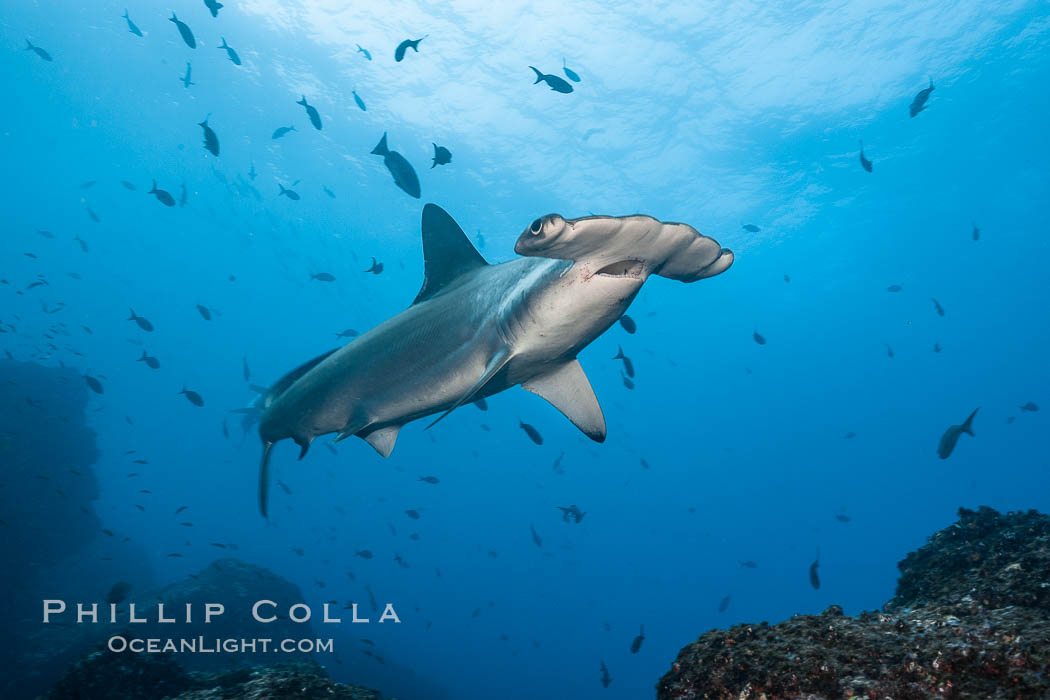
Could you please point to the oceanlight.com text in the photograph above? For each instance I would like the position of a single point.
(213, 645)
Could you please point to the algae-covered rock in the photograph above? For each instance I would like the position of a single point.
(969, 620)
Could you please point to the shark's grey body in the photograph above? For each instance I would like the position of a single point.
(476, 329)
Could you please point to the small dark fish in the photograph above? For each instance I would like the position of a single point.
(1030, 406)
(364, 553)
(367, 54)
(290, 194)
(557, 84)
(430, 479)
(864, 162)
(402, 171)
(849, 436)
(889, 352)
(186, 82)
(748, 565)
(94, 384)
(482, 404)
(38, 51)
(192, 396)
(245, 371)
(163, 196)
(322, 276)
(636, 645)
(952, 434)
(605, 679)
(894, 288)
(328, 192)
(142, 322)
(644, 463)
(412, 513)
(204, 311)
(628, 366)
(937, 347)
(976, 232)
(359, 101)
(131, 25)
(937, 306)
(376, 268)
(230, 52)
(533, 434)
(842, 517)
(91, 213)
(311, 112)
(119, 592)
(183, 196)
(759, 338)
(151, 362)
(787, 278)
(184, 30)
(628, 324)
(348, 333)
(723, 604)
(751, 228)
(919, 103)
(442, 156)
(399, 52)
(536, 539)
(814, 577)
(569, 72)
(281, 131)
(87, 184)
(211, 140)
(213, 6)
(128, 185)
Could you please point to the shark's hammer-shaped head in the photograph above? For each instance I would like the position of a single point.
(627, 246)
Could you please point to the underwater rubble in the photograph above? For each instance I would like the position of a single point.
(104, 675)
(970, 619)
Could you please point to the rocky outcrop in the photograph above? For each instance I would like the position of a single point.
(970, 619)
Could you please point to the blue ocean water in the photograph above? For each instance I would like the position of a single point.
(717, 116)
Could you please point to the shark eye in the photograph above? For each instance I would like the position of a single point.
(536, 226)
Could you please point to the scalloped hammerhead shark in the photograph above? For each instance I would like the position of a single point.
(477, 329)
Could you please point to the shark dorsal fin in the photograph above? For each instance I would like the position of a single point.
(447, 252)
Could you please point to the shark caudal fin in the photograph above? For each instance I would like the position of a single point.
(264, 478)
(447, 252)
(967, 426)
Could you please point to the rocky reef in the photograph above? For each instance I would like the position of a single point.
(104, 675)
(970, 619)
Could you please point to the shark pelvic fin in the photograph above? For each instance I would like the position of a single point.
(501, 358)
(383, 439)
(447, 252)
(264, 478)
(567, 389)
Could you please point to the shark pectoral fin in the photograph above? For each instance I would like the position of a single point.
(567, 389)
(497, 362)
(383, 439)
(264, 478)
